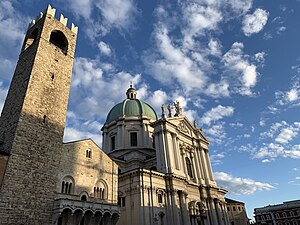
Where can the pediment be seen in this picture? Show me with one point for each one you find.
(183, 125)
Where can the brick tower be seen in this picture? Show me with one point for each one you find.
(33, 121)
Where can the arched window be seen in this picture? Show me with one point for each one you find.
(189, 167)
(67, 185)
(83, 198)
(99, 193)
(284, 214)
(59, 40)
(100, 190)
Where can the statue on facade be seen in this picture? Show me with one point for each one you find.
(195, 124)
(163, 111)
(170, 110)
(178, 109)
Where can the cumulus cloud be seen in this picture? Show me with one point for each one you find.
(172, 64)
(236, 62)
(104, 48)
(94, 91)
(289, 97)
(287, 134)
(217, 113)
(272, 151)
(240, 186)
(156, 100)
(254, 23)
(119, 14)
(216, 133)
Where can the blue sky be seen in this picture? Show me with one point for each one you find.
(233, 65)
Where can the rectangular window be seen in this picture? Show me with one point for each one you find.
(113, 143)
(123, 201)
(159, 196)
(133, 139)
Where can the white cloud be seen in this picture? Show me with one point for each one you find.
(290, 97)
(156, 100)
(81, 7)
(118, 13)
(72, 134)
(217, 113)
(237, 63)
(254, 23)
(104, 48)
(172, 64)
(94, 91)
(215, 47)
(216, 133)
(287, 134)
(260, 57)
(216, 159)
(200, 18)
(272, 151)
(240, 186)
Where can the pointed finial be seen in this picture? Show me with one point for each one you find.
(131, 84)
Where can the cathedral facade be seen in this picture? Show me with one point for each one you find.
(151, 170)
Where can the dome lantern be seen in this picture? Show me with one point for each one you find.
(131, 93)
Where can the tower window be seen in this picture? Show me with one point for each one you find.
(88, 154)
(113, 143)
(159, 198)
(189, 167)
(133, 139)
(59, 40)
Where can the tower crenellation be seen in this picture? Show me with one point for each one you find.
(52, 11)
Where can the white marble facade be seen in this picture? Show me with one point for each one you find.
(166, 177)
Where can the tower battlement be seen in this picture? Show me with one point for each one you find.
(51, 11)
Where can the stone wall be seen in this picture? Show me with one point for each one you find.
(89, 170)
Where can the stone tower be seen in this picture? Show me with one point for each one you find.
(33, 121)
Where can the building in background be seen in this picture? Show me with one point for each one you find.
(287, 213)
(236, 212)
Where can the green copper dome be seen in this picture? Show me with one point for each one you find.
(131, 107)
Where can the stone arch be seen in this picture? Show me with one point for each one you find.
(101, 189)
(59, 40)
(68, 185)
(30, 39)
(84, 196)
